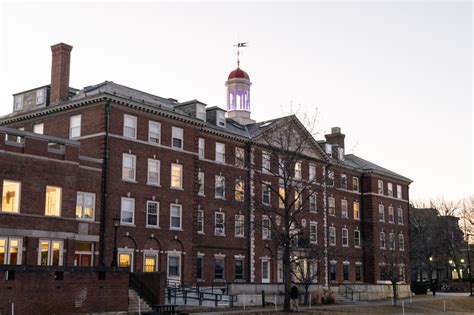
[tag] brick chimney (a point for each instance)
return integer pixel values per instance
(60, 73)
(335, 137)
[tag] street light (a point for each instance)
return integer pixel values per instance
(469, 263)
(115, 253)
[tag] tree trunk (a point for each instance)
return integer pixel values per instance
(286, 278)
(394, 287)
(306, 294)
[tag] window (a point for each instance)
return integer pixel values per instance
(345, 237)
(85, 206)
(177, 137)
(355, 184)
(38, 128)
(153, 172)
(75, 126)
(390, 189)
(201, 183)
(266, 228)
(175, 217)
(220, 152)
(392, 240)
(298, 196)
(332, 235)
(345, 272)
(281, 199)
(201, 112)
(176, 176)
(381, 213)
(344, 210)
(152, 214)
(356, 210)
(332, 206)
(174, 266)
(18, 102)
(219, 268)
(380, 187)
(239, 225)
(382, 240)
(383, 273)
(332, 271)
(83, 254)
(330, 179)
(239, 190)
(312, 201)
(312, 173)
(53, 201)
(200, 221)
(266, 193)
(356, 238)
(39, 97)
(125, 259)
(220, 119)
(50, 253)
(220, 186)
(130, 126)
(200, 267)
(313, 233)
(154, 132)
(265, 271)
(127, 213)
(358, 273)
(150, 261)
(400, 216)
(401, 242)
(298, 174)
(239, 269)
(266, 165)
(11, 196)
(239, 157)
(10, 251)
(128, 167)
(343, 181)
(219, 223)
(391, 215)
(399, 191)
(201, 148)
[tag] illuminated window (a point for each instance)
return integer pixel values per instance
(356, 238)
(332, 235)
(201, 183)
(152, 213)
(177, 137)
(220, 152)
(298, 197)
(176, 176)
(298, 170)
(50, 253)
(85, 206)
(266, 228)
(53, 201)
(345, 237)
(281, 199)
(154, 132)
(128, 167)
(239, 157)
(220, 186)
(11, 196)
(219, 223)
(239, 225)
(153, 172)
(150, 262)
(125, 259)
(201, 148)
(127, 214)
(356, 210)
(10, 251)
(266, 193)
(344, 210)
(332, 206)
(239, 190)
(130, 126)
(175, 217)
(75, 126)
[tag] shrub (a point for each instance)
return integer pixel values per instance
(316, 297)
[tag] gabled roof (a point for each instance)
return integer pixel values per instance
(359, 163)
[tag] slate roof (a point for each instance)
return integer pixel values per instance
(359, 163)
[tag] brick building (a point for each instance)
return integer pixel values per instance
(177, 176)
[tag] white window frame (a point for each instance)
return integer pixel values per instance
(383, 240)
(298, 170)
(239, 190)
(390, 189)
(381, 213)
(39, 96)
(126, 251)
(354, 210)
(200, 221)
(18, 102)
(343, 181)
(220, 152)
(150, 253)
(84, 195)
(357, 241)
(201, 183)
(157, 225)
(266, 162)
(344, 209)
(7, 249)
(177, 133)
(17, 202)
(60, 203)
(312, 173)
(355, 184)
(266, 191)
(399, 191)
(180, 211)
(219, 231)
(180, 167)
(401, 242)
(220, 258)
(74, 127)
(313, 201)
(391, 241)
(39, 128)
(330, 181)
(155, 135)
(201, 148)
(391, 218)
(332, 234)
(219, 180)
(266, 228)
(313, 235)
(239, 157)
(133, 126)
(132, 210)
(380, 189)
(266, 279)
(239, 225)
(332, 204)
(50, 251)
(400, 216)
(220, 119)
(201, 112)
(133, 168)
(345, 237)
(158, 167)
(175, 254)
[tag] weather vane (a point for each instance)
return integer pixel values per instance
(239, 45)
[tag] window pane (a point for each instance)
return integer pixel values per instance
(176, 175)
(14, 250)
(56, 253)
(125, 260)
(3, 248)
(44, 246)
(53, 201)
(11, 196)
(173, 266)
(150, 263)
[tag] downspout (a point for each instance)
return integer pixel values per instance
(248, 213)
(104, 186)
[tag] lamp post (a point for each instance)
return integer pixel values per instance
(469, 263)
(115, 253)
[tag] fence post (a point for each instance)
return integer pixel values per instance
(200, 298)
(169, 294)
(215, 297)
(263, 298)
(185, 295)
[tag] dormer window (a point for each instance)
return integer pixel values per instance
(40, 97)
(328, 149)
(220, 119)
(18, 102)
(201, 112)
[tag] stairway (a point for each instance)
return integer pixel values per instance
(340, 298)
(133, 299)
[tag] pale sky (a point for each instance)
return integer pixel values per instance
(396, 77)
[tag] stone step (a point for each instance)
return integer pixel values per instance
(133, 299)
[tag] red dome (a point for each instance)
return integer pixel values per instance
(238, 74)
